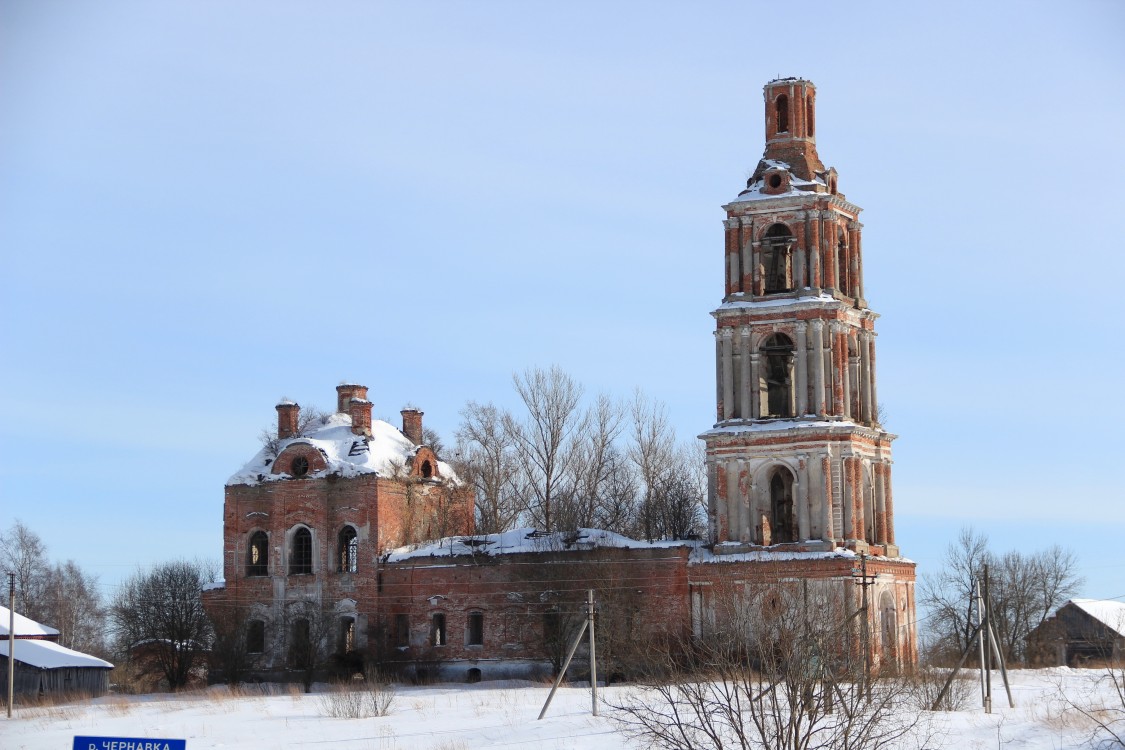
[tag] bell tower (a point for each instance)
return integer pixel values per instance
(797, 459)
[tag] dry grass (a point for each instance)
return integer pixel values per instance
(357, 700)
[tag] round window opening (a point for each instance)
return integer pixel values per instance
(299, 466)
(774, 181)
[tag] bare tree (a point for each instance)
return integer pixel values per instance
(487, 459)
(23, 553)
(158, 618)
(543, 439)
(1025, 588)
(590, 479)
(309, 628)
(652, 450)
(73, 605)
(776, 668)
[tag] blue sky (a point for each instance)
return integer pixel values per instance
(206, 206)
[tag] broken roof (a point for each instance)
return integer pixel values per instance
(384, 452)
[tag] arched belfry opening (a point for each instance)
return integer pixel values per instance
(810, 121)
(783, 114)
(776, 379)
(777, 260)
(783, 525)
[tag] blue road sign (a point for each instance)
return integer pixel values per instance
(127, 743)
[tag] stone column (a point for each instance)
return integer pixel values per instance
(755, 386)
(829, 231)
(880, 503)
(802, 370)
(799, 281)
(857, 256)
(803, 521)
(856, 479)
(826, 508)
(757, 285)
(889, 499)
(818, 367)
(734, 502)
(815, 252)
(853, 259)
(718, 376)
(865, 377)
(839, 369)
(847, 498)
(855, 389)
(716, 507)
(872, 380)
(746, 255)
(728, 373)
(745, 409)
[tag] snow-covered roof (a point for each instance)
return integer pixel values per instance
(524, 540)
(383, 452)
(1110, 612)
(50, 655)
(25, 626)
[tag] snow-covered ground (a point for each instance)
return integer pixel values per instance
(498, 714)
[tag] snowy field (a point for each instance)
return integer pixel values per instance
(487, 715)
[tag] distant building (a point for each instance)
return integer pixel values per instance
(1082, 632)
(43, 667)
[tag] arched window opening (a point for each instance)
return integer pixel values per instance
(783, 527)
(257, 555)
(842, 264)
(783, 114)
(347, 553)
(427, 469)
(437, 629)
(776, 379)
(777, 260)
(300, 561)
(810, 119)
(473, 675)
(255, 637)
(300, 643)
(474, 629)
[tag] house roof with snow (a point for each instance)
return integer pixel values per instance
(25, 626)
(1109, 612)
(385, 452)
(50, 655)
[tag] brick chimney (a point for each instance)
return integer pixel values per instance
(288, 414)
(345, 392)
(412, 425)
(360, 411)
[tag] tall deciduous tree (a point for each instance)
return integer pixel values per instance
(158, 618)
(486, 456)
(543, 440)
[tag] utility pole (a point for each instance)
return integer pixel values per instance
(981, 646)
(11, 641)
(865, 633)
(587, 624)
(986, 634)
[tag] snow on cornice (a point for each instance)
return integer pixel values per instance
(740, 427)
(808, 299)
(520, 541)
(385, 452)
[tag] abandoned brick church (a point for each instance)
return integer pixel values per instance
(353, 532)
